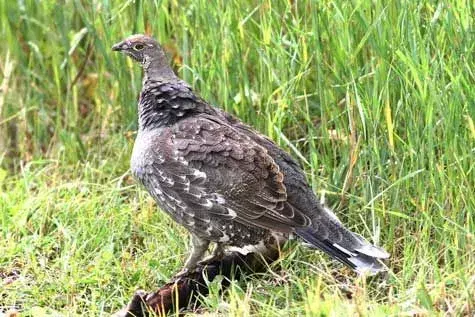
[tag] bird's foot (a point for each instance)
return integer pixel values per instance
(210, 259)
(183, 273)
(187, 271)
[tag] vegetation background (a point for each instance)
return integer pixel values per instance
(376, 100)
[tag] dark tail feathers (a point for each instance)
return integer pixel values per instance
(361, 257)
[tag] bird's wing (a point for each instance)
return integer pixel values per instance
(326, 231)
(212, 170)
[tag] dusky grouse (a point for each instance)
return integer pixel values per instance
(222, 180)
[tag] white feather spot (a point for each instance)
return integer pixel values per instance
(187, 186)
(196, 195)
(259, 248)
(220, 199)
(199, 174)
(209, 230)
(182, 160)
(224, 238)
(233, 214)
(208, 204)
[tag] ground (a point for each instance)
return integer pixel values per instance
(374, 98)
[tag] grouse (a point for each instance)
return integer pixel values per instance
(220, 179)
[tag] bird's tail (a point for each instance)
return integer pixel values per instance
(329, 235)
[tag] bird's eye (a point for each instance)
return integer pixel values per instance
(138, 47)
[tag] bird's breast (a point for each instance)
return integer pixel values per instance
(149, 148)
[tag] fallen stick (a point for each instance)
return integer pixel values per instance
(184, 291)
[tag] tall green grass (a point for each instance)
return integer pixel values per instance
(374, 98)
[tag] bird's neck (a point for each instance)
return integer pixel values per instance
(157, 68)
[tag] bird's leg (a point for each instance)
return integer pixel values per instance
(218, 251)
(217, 254)
(198, 249)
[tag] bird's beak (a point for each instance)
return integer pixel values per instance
(119, 47)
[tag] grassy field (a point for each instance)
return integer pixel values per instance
(376, 99)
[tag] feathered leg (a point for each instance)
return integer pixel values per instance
(198, 249)
(217, 254)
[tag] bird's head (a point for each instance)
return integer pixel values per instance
(140, 47)
(148, 52)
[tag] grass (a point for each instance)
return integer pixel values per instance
(374, 98)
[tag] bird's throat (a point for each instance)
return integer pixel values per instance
(157, 68)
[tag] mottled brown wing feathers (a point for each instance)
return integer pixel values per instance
(238, 169)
